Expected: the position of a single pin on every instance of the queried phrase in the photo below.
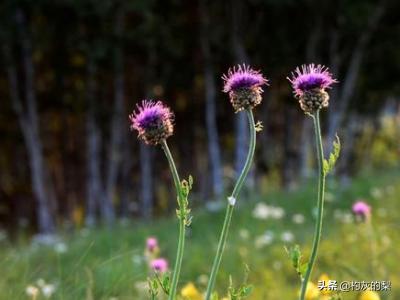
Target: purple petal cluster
(361, 208)
(159, 265)
(311, 77)
(153, 121)
(241, 77)
(151, 244)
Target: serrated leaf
(329, 164)
(165, 283)
(294, 255)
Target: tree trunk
(93, 188)
(126, 178)
(96, 198)
(116, 133)
(147, 194)
(289, 163)
(307, 132)
(241, 127)
(211, 114)
(342, 97)
(29, 123)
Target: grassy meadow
(109, 263)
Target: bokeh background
(72, 173)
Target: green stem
(321, 190)
(229, 208)
(182, 226)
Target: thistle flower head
(153, 121)
(311, 77)
(244, 87)
(151, 244)
(159, 265)
(361, 209)
(309, 84)
(242, 76)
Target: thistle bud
(244, 87)
(153, 122)
(361, 210)
(309, 86)
(159, 265)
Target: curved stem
(321, 190)
(229, 208)
(182, 226)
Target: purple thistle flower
(159, 265)
(360, 208)
(311, 77)
(244, 87)
(243, 77)
(151, 244)
(153, 121)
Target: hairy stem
(182, 226)
(321, 190)
(229, 208)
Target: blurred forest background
(72, 71)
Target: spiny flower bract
(153, 121)
(244, 87)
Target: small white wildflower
(298, 218)
(40, 282)
(277, 212)
(60, 248)
(287, 236)
(202, 279)
(32, 291)
(264, 239)
(48, 290)
(261, 211)
(232, 201)
(376, 193)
